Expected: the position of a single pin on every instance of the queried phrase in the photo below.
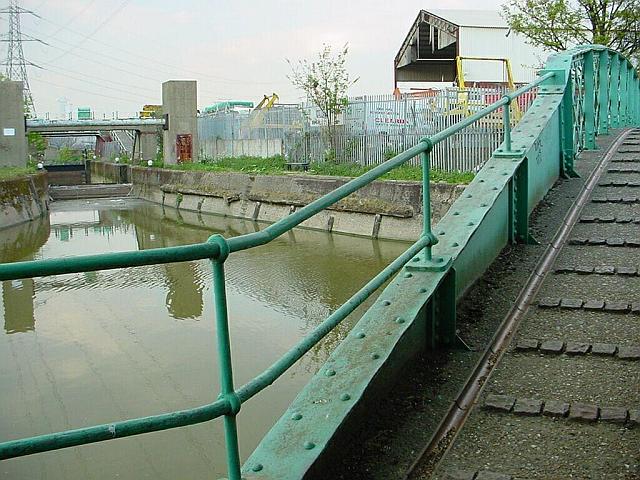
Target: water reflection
(94, 347)
(17, 299)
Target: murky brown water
(83, 349)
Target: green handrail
(217, 249)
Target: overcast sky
(113, 55)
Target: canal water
(84, 349)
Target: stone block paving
(623, 352)
(591, 304)
(576, 411)
(568, 406)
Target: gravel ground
(542, 448)
(585, 379)
(581, 326)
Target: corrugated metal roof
(472, 18)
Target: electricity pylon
(15, 64)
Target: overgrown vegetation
(37, 144)
(123, 157)
(276, 165)
(9, 173)
(68, 155)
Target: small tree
(559, 24)
(325, 81)
(37, 144)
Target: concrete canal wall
(23, 199)
(385, 209)
(218, 148)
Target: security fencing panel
(374, 128)
(370, 130)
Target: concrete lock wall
(179, 103)
(13, 143)
(385, 209)
(217, 148)
(23, 199)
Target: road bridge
(580, 94)
(146, 131)
(178, 126)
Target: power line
(158, 62)
(62, 27)
(95, 30)
(101, 85)
(85, 91)
(102, 64)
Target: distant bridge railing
(600, 90)
(41, 125)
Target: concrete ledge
(89, 191)
(383, 209)
(23, 199)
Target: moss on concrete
(349, 204)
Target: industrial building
(437, 38)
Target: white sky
(113, 55)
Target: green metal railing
(556, 79)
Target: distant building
(64, 108)
(436, 38)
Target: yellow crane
(267, 102)
(463, 96)
(258, 113)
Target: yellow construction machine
(468, 107)
(265, 104)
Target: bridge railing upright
(600, 91)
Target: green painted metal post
(440, 314)
(629, 95)
(506, 126)
(634, 93)
(603, 93)
(426, 204)
(636, 102)
(226, 371)
(614, 94)
(623, 95)
(519, 207)
(567, 130)
(589, 102)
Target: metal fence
(248, 124)
(372, 129)
(375, 128)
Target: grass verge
(276, 166)
(9, 173)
